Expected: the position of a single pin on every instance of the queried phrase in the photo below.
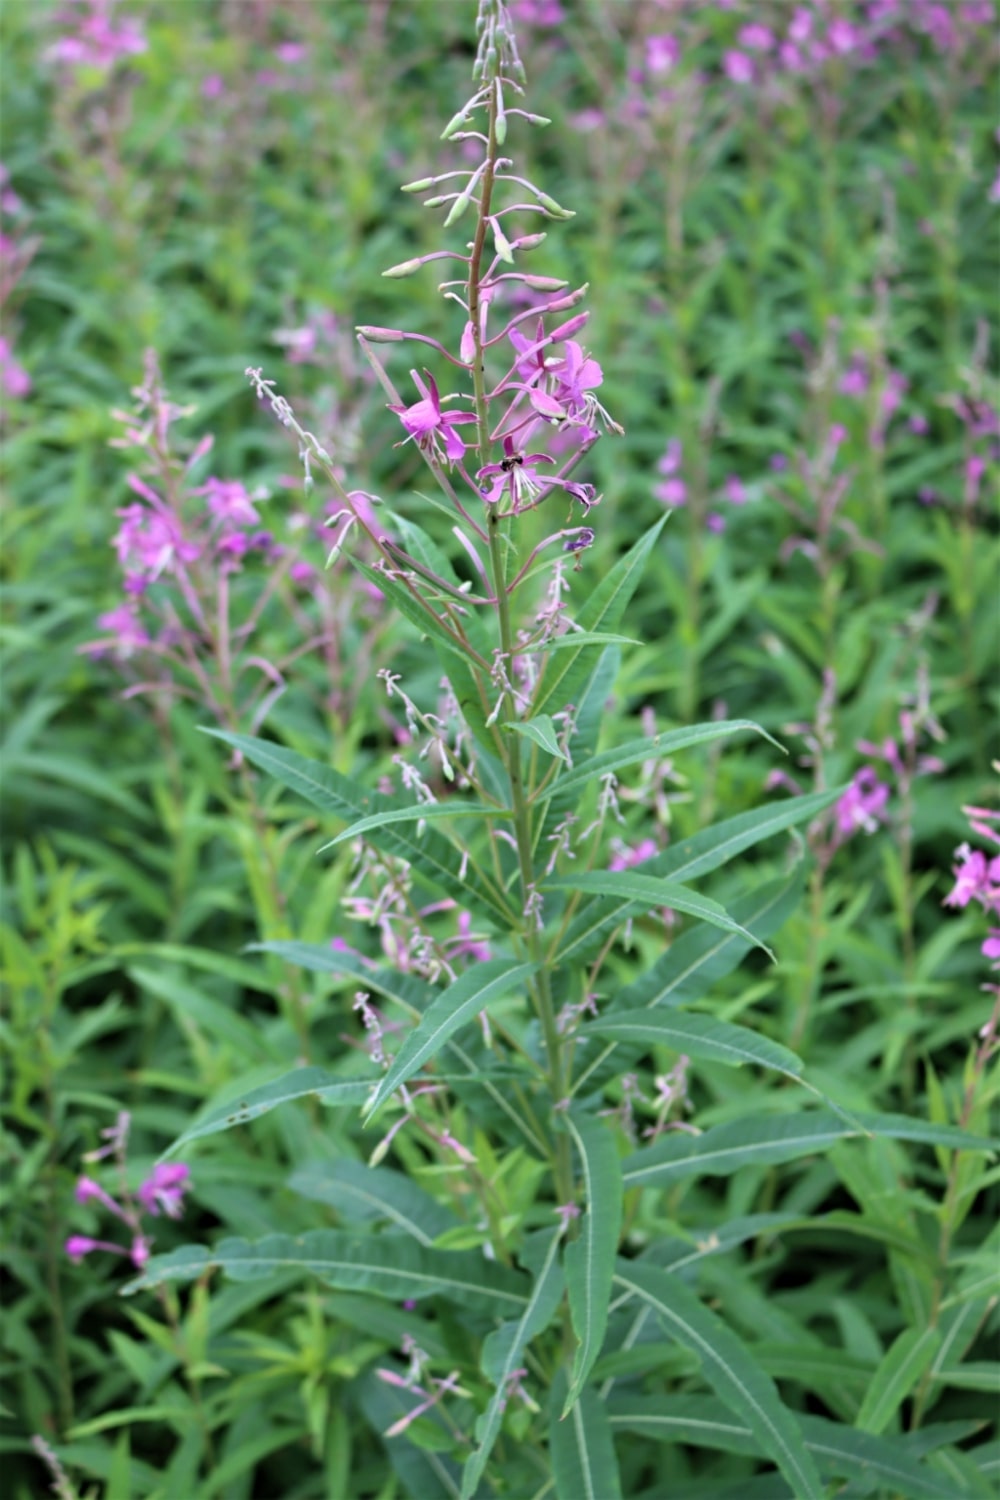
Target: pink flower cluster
(162, 1192)
(977, 875)
(672, 490)
(93, 39)
(15, 254)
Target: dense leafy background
(748, 247)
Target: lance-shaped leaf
(434, 860)
(502, 1353)
(581, 1449)
(839, 1451)
(755, 1141)
(297, 1083)
(541, 731)
(420, 812)
(387, 1265)
(461, 1002)
(697, 1035)
(904, 1363)
(689, 859)
(565, 673)
(361, 1192)
(652, 747)
(590, 1258)
(647, 890)
(730, 1369)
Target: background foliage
(793, 281)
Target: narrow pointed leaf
(461, 1002)
(839, 1451)
(298, 1083)
(697, 1035)
(359, 1191)
(502, 1353)
(387, 1265)
(420, 812)
(905, 1362)
(689, 859)
(647, 891)
(652, 747)
(564, 674)
(590, 1258)
(731, 1370)
(435, 860)
(541, 731)
(724, 1149)
(582, 1450)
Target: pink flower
(662, 52)
(575, 376)
(165, 1188)
(626, 858)
(738, 67)
(757, 37)
(126, 634)
(148, 543)
(862, 805)
(424, 420)
(991, 947)
(735, 490)
(228, 502)
(671, 492)
(976, 879)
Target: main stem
(541, 987)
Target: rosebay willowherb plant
(533, 1268)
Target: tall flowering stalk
(496, 873)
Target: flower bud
(420, 186)
(551, 206)
(405, 268)
(455, 123)
(566, 330)
(380, 335)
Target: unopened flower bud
(552, 207)
(420, 186)
(529, 241)
(543, 283)
(458, 208)
(573, 325)
(380, 335)
(502, 245)
(405, 268)
(455, 123)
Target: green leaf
(359, 1191)
(699, 1036)
(502, 1353)
(590, 1258)
(387, 1265)
(724, 1149)
(582, 1450)
(562, 678)
(905, 1362)
(579, 638)
(730, 1369)
(298, 1083)
(647, 891)
(541, 731)
(652, 747)
(420, 812)
(472, 992)
(698, 959)
(434, 859)
(690, 858)
(839, 1450)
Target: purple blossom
(164, 1189)
(575, 375)
(148, 543)
(125, 634)
(625, 858)
(862, 805)
(517, 473)
(738, 67)
(425, 419)
(14, 378)
(757, 37)
(228, 502)
(97, 42)
(662, 53)
(735, 490)
(977, 878)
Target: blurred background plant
(787, 212)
